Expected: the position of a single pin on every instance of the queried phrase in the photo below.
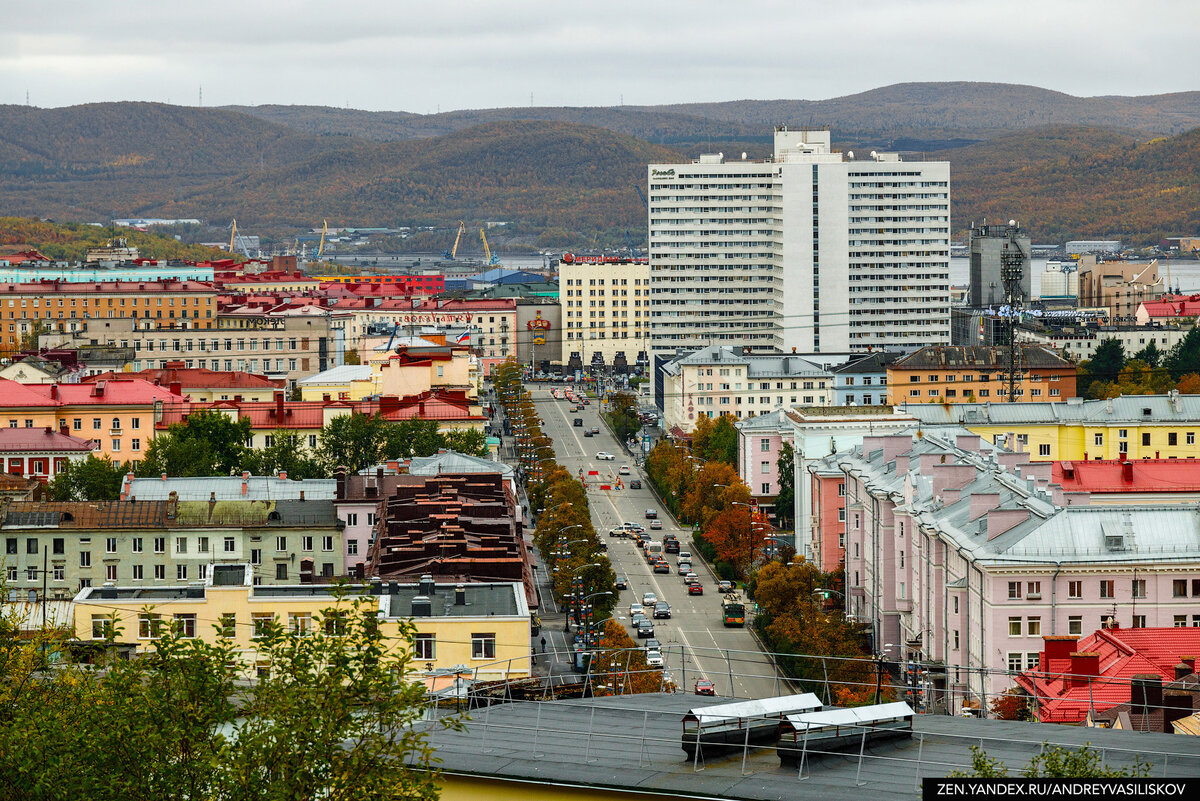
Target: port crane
(452, 253)
(237, 239)
(321, 246)
(492, 258)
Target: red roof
(1138, 475)
(194, 377)
(116, 392)
(1123, 653)
(1174, 306)
(40, 440)
(441, 405)
(106, 287)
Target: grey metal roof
(450, 462)
(1132, 409)
(758, 365)
(633, 743)
(979, 357)
(341, 374)
(482, 600)
(876, 362)
(229, 488)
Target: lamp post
(879, 671)
(571, 607)
(585, 612)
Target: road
(695, 641)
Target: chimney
(967, 442)
(1145, 693)
(426, 586)
(359, 571)
(421, 606)
(1182, 671)
(1084, 667)
(460, 595)
(301, 495)
(175, 388)
(54, 391)
(1127, 472)
(283, 475)
(1177, 704)
(279, 405)
(1189, 660)
(1058, 650)
(339, 475)
(164, 476)
(983, 502)
(64, 429)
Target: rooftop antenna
(1012, 269)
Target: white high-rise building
(812, 250)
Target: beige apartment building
(605, 312)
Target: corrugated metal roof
(229, 488)
(1133, 409)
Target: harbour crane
(236, 238)
(321, 246)
(487, 252)
(452, 253)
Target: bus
(733, 613)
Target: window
(12, 572)
(1014, 627)
(110, 544)
(1033, 589)
(1031, 660)
(1106, 588)
(31, 545)
(1014, 661)
(300, 623)
(352, 547)
(765, 445)
(306, 542)
(181, 572)
(842, 490)
(202, 545)
(483, 646)
(1044, 449)
(1180, 621)
(765, 489)
(1146, 440)
(160, 572)
(1123, 433)
(956, 639)
(1034, 627)
(137, 573)
(137, 545)
(85, 558)
(256, 556)
(1139, 588)
(765, 467)
(281, 543)
(1179, 588)
(1190, 438)
(352, 519)
(229, 545)
(1014, 590)
(281, 572)
(1075, 624)
(1172, 438)
(228, 625)
(1098, 439)
(326, 543)
(956, 604)
(181, 544)
(260, 622)
(160, 544)
(149, 626)
(1139, 621)
(110, 572)
(102, 626)
(1074, 589)
(842, 517)
(10, 545)
(425, 647)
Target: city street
(696, 644)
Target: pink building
(40, 453)
(965, 556)
(829, 517)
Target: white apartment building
(811, 251)
(605, 311)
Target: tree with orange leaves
(619, 666)
(713, 489)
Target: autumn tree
(669, 471)
(1189, 384)
(713, 488)
(618, 666)
(1012, 704)
(623, 415)
(715, 440)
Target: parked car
(654, 524)
(695, 588)
(637, 484)
(622, 583)
(605, 456)
(651, 514)
(705, 687)
(649, 599)
(578, 422)
(645, 630)
(724, 586)
(654, 659)
(624, 471)
(662, 609)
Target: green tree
(207, 443)
(287, 452)
(470, 441)
(93, 479)
(353, 441)
(1105, 364)
(785, 501)
(1150, 354)
(623, 416)
(330, 716)
(351, 357)
(1184, 358)
(715, 440)
(412, 437)
(1055, 762)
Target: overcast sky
(406, 55)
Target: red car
(695, 588)
(705, 687)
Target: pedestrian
(543, 645)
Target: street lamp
(879, 671)
(571, 608)
(585, 611)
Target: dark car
(587, 433)
(695, 588)
(645, 630)
(662, 609)
(651, 514)
(724, 587)
(622, 583)
(635, 484)
(638, 619)
(578, 422)
(595, 432)
(705, 687)
(671, 546)
(662, 567)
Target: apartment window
(306, 542)
(181, 544)
(1123, 433)
(160, 544)
(955, 639)
(256, 556)
(31, 546)
(10, 545)
(137, 573)
(85, 558)
(12, 572)
(1014, 627)
(352, 519)
(181, 572)
(1172, 438)
(1179, 588)
(110, 572)
(137, 545)
(1139, 588)
(260, 623)
(202, 545)
(149, 626)
(110, 544)
(300, 623)
(765, 445)
(765, 489)
(1014, 590)
(1180, 621)
(1139, 621)
(765, 467)
(842, 517)
(228, 625)
(1075, 624)
(229, 545)
(1098, 439)
(1014, 661)
(1074, 589)
(160, 572)
(326, 543)
(1106, 589)
(1146, 440)
(281, 572)
(1031, 660)
(1190, 438)
(281, 543)
(102, 626)
(1034, 627)
(1044, 449)
(425, 647)
(1033, 589)
(483, 646)
(352, 547)
(956, 604)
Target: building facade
(1079, 343)
(954, 374)
(990, 245)
(606, 311)
(862, 270)
(862, 380)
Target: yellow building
(482, 626)
(1129, 427)
(408, 372)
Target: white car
(654, 659)
(624, 471)
(649, 599)
(635, 608)
(605, 456)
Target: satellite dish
(720, 155)
(1012, 222)
(849, 154)
(874, 155)
(743, 155)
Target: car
(645, 630)
(724, 586)
(622, 583)
(587, 402)
(662, 609)
(649, 599)
(654, 524)
(651, 514)
(616, 532)
(662, 567)
(684, 568)
(587, 433)
(578, 422)
(704, 687)
(695, 588)
(671, 546)
(605, 456)
(652, 645)
(638, 527)
(637, 484)
(595, 431)
(635, 609)
(638, 619)
(690, 578)
(654, 659)
(685, 556)
(624, 471)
